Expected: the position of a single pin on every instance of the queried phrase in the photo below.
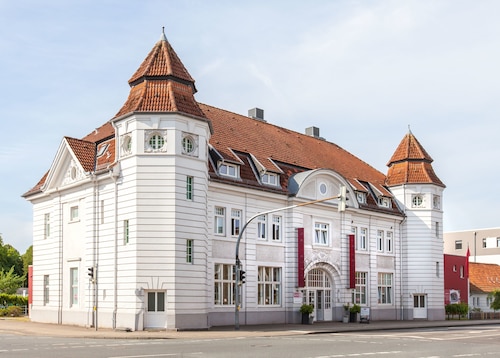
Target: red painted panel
(300, 257)
(352, 262)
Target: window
(498, 241)
(438, 273)
(156, 141)
(417, 201)
(384, 202)
(45, 289)
(321, 233)
(269, 285)
(484, 243)
(359, 293)
(276, 228)
(385, 288)
(354, 231)
(461, 272)
(189, 251)
(361, 197)
(126, 232)
(102, 211)
(73, 276)
(219, 220)
(388, 241)
(224, 284)
(261, 227)
(189, 187)
(436, 202)
(235, 222)
(362, 238)
(380, 240)
(73, 213)
(156, 301)
(47, 226)
(437, 229)
(269, 178)
(187, 144)
(126, 144)
(489, 300)
(458, 244)
(228, 170)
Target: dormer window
(361, 197)
(269, 178)
(229, 170)
(384, 202)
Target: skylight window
(384, 202)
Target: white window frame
(358, 295)
(189, 187)
(189, 251)
(361, 197)
(384, 202)
(385, 288)
(269, 179)
(46, 290)
(74, 213)
(389, 241)
(236, 216)
(276, 227)
(126, 232)
(224, 285)
(46, 226)
(417, 201)
(228, 170)
(458, 244)
(362, 243)
(321, 233)
(73, 277)
(262, 227)
(269, 286)
(220, 220)
(380, 240)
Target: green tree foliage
(459, 309)
(27, 259)
(9, 281)
(495, 303)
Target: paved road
(440, 342)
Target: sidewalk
(22, 326)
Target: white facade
(159, 224)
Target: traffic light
(91, 273)
(342, 198)
(242, 277)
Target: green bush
(355, 308)
(11, 311)
(12, 300)
(460, 309)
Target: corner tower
(162, 141)
(419, 192)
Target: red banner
(352, 261)
(300, 258)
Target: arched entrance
(319, 293)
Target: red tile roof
(484, 278)
(162, 84)
(410, 163)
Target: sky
(364, 72)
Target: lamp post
(237, 268)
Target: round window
(322, 188)
(127, 144)
(187, 144)
(417, 200)
(156, 141)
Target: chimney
(313, 132)
(256, 113)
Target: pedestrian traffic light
(91, 273)
(342, 198)
(242, 277)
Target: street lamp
(237, 268)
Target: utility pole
(237, 268)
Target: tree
(27, 259)
(495, 304)
(9, 281)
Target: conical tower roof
(411, 164)
(161, 84)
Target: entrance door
(156, 316)
(319, 294)
(419, 306)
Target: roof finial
(163, 37)
(409, 130)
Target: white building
(483, 244)
(154, 201)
